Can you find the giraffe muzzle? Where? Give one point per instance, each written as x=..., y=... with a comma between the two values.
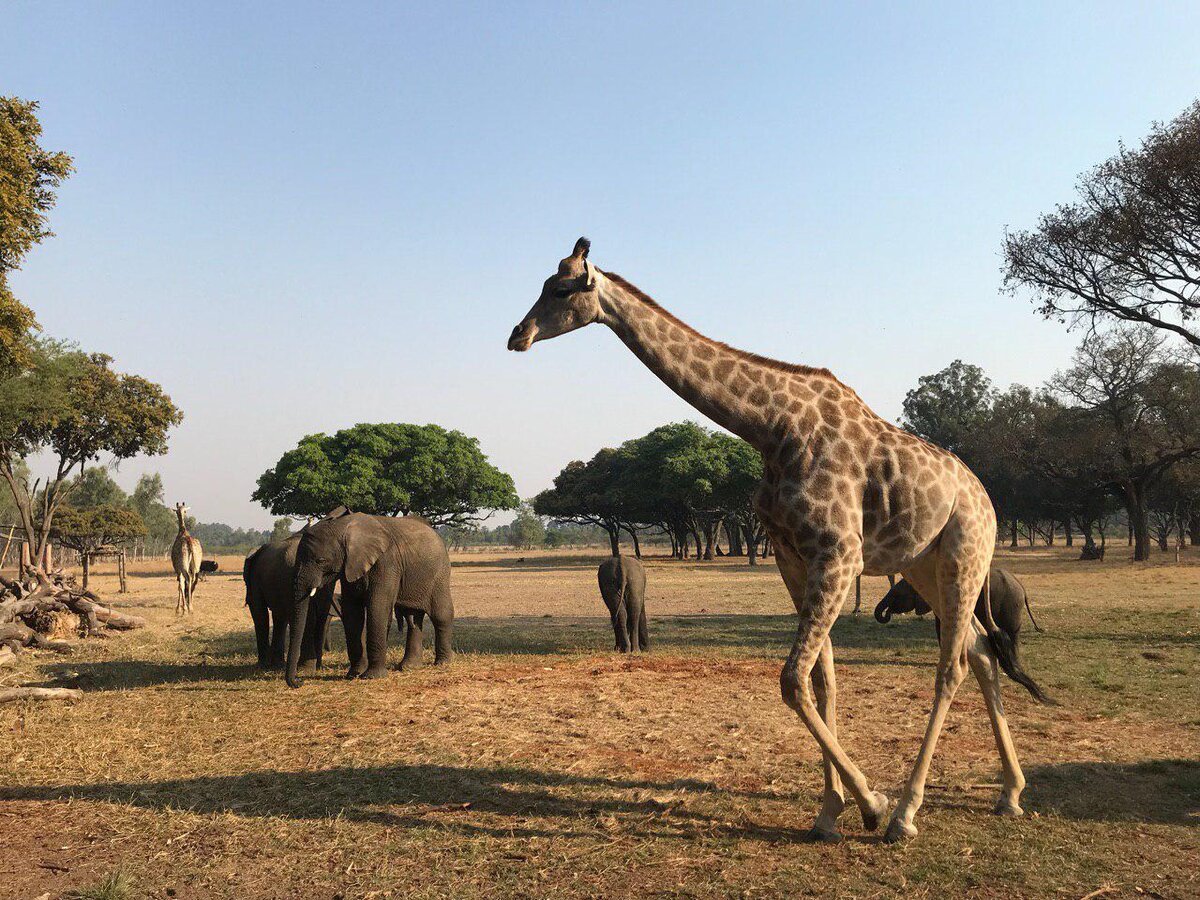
x=522, y=336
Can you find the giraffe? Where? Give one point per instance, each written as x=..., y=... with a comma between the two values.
x=844, y=493
x=186, y=555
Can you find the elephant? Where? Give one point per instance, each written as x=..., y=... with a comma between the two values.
x=269, y=573
x=385, y=564
x=1007, y=597
x=623, y=586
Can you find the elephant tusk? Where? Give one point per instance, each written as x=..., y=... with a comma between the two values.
x=313, y=592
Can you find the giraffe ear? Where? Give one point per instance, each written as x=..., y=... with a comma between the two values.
x=582, y=246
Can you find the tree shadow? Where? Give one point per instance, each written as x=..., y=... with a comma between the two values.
x=454, y=798
x=1161, y=791
x=231, y=656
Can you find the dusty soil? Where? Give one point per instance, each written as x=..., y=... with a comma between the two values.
x=543, y=764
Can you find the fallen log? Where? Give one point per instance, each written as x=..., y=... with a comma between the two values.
x=7, y=657
x=34, y=693
x=106, y=615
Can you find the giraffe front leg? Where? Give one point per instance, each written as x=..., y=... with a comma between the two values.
x=819, y=597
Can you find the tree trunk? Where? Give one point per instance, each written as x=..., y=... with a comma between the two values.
x=1194, y=529
x=637, y=545
x=751, y=545
x=1013, y=532
x=734, y=534
x=1139, y=528
x=614, y=539
x=1069, y=535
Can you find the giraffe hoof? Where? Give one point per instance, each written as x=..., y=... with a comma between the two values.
x=898, y=831
x=817, y=835
x=875, y=813
x=1006, y=807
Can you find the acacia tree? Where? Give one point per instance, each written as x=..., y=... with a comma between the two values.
x=101, y=526
x=1142, y=407
x=1129, y=247
x=388, y=469
x=73, y=407
x=29, y=176
x=586, y=494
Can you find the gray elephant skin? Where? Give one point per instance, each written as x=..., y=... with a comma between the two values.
x=385, y=564
x=269, y=573
x=1009, y=602
x=623, y=587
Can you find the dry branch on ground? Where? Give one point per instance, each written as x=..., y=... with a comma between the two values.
x=41, y=610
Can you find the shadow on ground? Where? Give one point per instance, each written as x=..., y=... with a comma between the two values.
x=1162, y=791
x=230, y=657
x=461, y=799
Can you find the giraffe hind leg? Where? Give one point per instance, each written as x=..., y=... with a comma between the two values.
x=987, y=673
x=959, y=577
x=834, y=801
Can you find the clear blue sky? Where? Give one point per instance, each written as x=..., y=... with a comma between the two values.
x=298, y=216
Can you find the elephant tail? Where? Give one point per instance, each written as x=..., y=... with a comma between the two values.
x=1005, y=649
x=1036, y=627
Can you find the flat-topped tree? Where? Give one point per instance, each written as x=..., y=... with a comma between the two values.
x=843, y=492
x=391, y=469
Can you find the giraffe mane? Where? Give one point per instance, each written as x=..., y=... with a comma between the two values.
x=765, y=361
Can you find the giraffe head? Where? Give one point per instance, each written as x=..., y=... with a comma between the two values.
x=569, y=300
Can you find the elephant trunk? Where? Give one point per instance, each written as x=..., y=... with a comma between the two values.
x=296, y=638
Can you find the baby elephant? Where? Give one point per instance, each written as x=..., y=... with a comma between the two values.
x=1008, y=596
x=623, y=586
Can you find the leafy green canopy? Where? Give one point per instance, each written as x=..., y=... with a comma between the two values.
x=101, y=526
x=28, y=178
x=74, y=408
x=388, y=469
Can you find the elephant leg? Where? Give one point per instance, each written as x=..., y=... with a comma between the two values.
x=279, y=639
x=620, y=626
x=643, y=629
x=354, y=619
x=379, y=622
x=262, y=634
x=442, y=614
x=633, y=606
x=414, y=642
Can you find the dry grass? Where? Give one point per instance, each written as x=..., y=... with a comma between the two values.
x=541, y=764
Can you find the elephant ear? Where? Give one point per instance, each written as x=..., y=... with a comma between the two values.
x=366, y=542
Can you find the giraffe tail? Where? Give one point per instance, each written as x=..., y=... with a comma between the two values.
x=1005, y=648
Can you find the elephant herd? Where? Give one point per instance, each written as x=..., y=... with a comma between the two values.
x=386, y=566
x=400, y=567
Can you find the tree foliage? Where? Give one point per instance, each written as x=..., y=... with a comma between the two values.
x=682, y=480
x=388, y=469
x=948, y=407
x=75, y=408
x=29, y=176
x=1129, y=247
x=99, y=526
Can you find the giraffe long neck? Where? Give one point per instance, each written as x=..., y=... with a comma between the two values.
x=182, y=525
x=729, y=386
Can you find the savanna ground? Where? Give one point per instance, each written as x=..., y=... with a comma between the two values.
x=543, y=764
